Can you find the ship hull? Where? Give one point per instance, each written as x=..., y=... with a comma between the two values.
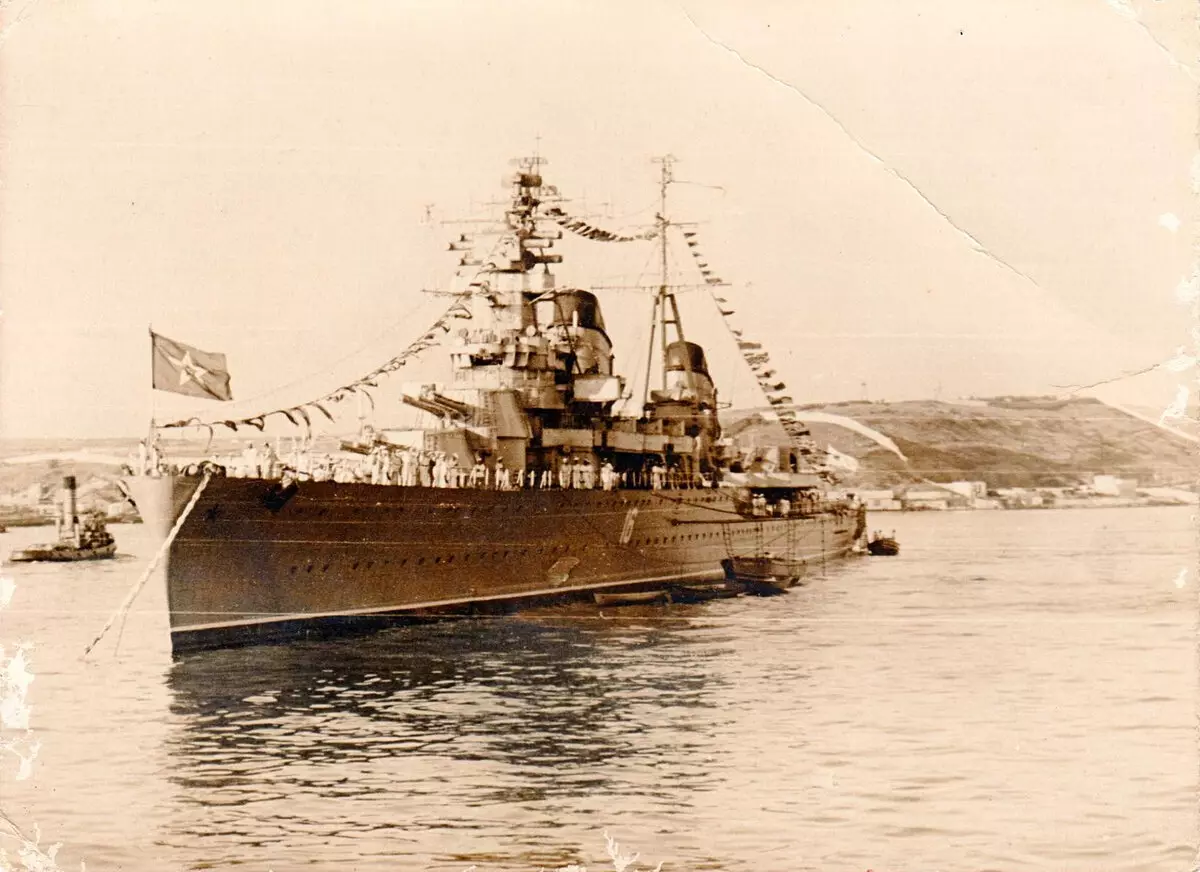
x=256, y=562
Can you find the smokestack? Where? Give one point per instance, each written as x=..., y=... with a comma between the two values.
x=68, y=503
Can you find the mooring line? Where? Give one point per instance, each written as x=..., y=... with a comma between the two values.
x=162, y=549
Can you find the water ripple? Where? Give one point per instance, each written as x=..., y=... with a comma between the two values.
x=1006, y=695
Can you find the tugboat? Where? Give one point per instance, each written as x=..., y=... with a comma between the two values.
x=88, y=539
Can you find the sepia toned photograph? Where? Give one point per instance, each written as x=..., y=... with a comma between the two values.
x=515, y=437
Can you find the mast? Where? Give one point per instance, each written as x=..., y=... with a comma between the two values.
x=664, y=298
x=665, y=162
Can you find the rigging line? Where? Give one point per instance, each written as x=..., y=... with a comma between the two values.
x=699, y=185
x=730, y=329
x=651, y=205
x=675, y=262
x=314, y=374
x=622, y=221
x=637, y=372
x=260, y=398
x=158, y=556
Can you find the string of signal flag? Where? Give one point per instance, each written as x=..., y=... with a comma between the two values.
x=752, y=351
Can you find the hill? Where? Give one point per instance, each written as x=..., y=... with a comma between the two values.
x=1006, y=442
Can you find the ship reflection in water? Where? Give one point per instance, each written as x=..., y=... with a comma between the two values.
x=1013, y=691
x=382, y=734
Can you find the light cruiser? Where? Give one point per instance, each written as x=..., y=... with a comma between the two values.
x=564, y=497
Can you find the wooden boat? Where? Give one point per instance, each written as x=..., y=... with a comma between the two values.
x=701, y=593
x=883, y=546
x=764, y=575
x=632, y=598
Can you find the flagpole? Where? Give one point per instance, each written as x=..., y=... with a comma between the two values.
x=153, y=398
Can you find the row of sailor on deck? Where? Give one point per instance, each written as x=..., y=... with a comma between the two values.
x=411, y=467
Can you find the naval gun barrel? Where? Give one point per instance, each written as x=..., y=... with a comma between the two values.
x=436, y=404
x=456, y=406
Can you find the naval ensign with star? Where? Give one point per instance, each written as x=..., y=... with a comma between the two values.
x=183, y=369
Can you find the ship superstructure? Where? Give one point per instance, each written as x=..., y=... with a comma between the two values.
x=533, y=391
x=528, y=486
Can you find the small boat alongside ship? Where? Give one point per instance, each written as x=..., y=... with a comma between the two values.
x=633, y=598
x=764, y=575
x=883, y=546
x=702, y=593
x=677, y=594
x=78, y=539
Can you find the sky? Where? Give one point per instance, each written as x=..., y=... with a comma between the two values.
x=936, y=198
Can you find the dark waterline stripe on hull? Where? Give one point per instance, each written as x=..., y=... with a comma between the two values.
x=280, y=628
x=458, y=601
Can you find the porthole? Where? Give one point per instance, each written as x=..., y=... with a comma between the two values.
x=420, y=561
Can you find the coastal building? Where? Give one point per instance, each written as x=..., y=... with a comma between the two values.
x=972, y=490
x=1170, y=495
x=1112, y=486
x=1020, y=498
x=879, y=500
x=926, y=500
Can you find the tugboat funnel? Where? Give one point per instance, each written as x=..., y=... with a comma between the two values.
x=69, y=512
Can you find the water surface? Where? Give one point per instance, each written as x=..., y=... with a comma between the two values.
x=1016, y=691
